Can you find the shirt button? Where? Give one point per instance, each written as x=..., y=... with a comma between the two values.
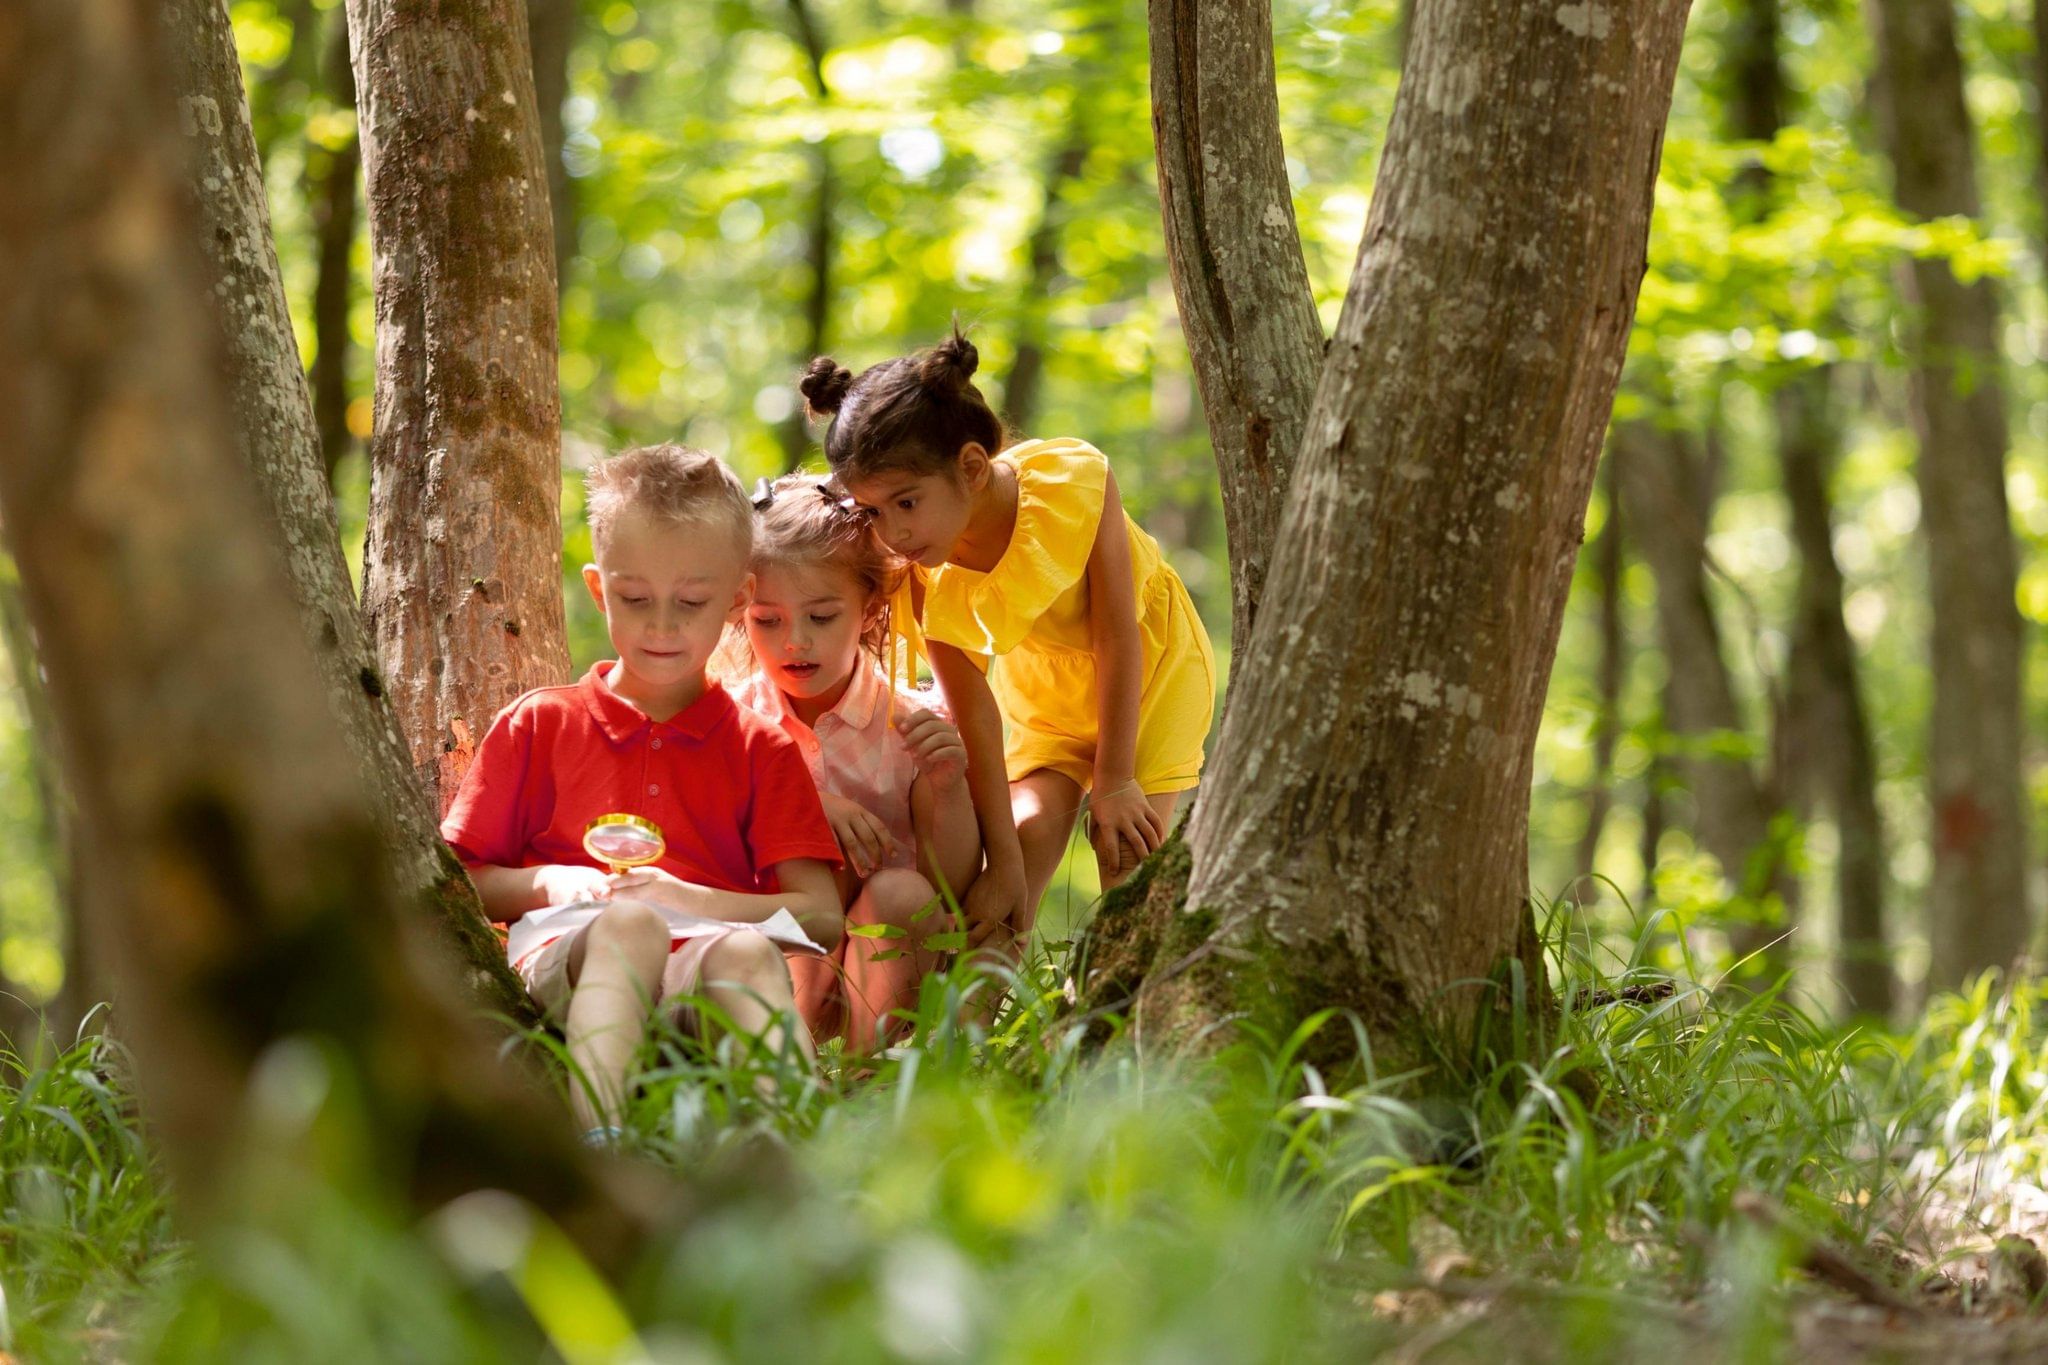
x=657, y=743
x=653, y=789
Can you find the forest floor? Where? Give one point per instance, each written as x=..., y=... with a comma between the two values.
x=1673, y=1175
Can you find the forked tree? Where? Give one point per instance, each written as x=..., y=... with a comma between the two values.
x=240, y=880
x=462, y=580
x=1362, y=839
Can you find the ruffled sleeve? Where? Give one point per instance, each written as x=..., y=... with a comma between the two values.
x=1060, y=487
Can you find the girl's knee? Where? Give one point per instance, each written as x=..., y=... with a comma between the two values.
x=895, y=896
x=745, y=959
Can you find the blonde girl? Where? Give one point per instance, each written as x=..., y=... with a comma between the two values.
x=1025, y=561
x=891, y=771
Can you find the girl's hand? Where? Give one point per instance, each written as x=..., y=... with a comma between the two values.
x=935, y=747
x=997, y=917
x=1122, y=822
x=661, y=889
x=863, y=838
x=564, y=883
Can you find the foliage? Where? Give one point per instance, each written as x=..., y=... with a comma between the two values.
x=990, y=1193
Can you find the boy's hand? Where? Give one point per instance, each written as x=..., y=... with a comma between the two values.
x=563, y=883
x=863, y=838
x=1123, y=827
x=662, y=889
x=935, y=747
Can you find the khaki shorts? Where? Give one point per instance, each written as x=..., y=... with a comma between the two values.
x=545, y=971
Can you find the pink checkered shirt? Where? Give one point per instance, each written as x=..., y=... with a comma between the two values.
x=854, y=753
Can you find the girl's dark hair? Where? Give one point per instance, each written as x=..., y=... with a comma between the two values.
x=913, y=413
x=801, y=521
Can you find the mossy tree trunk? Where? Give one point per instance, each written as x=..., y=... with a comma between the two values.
x=1363, y=841
x=462, y=579
x=240, y=877
x=1977, y=904
x=277, y=437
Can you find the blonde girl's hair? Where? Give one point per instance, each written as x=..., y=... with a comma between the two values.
x=804, y=522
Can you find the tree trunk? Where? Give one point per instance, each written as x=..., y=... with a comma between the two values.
x=1609, y=562
x=334, y=173
x=1978, y=912
x=462, y=578
x=274, y=430
x=1022, y=392
x=2041, y=121
x=819, y=237
x=239, y=874
x=1827, y=718
x=1834, y=714
x=1364, y=840
x=552, y=27
x=1238, y=274
x=1732, y=809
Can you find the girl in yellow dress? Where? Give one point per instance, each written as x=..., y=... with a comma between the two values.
x=1027, y=565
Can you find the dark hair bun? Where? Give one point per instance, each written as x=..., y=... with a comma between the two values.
x=824, y=386
x=949, y=365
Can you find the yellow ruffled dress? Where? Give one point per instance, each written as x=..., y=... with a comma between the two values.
x=1029, y=616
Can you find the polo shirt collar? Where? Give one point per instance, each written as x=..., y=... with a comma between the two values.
x=622, y=721
x=857, y=706
x=854, y=709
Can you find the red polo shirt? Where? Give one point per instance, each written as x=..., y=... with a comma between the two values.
x=729, y=790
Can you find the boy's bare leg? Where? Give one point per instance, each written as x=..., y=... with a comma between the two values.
x=1165, y=803
x=875, y=990
x=746, y=977
x=615, y=974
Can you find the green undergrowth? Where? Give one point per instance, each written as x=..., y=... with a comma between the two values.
x=998, y=1192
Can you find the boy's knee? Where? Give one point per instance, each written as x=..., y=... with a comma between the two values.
x=897, y=895
x=634, y=928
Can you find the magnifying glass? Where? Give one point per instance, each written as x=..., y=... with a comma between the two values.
x=621, y=841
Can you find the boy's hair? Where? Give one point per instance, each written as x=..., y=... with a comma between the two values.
x=914, y=413
x=674, y=483
x=805, y=522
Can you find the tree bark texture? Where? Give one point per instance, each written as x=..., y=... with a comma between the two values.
x=551, y=25
x=1733, y=808
x=462, y=574
x=336, y=173
x=1842, y=750
x=1363, y=841
x=1977, y=907
x=274, y=432
x=239, y=874
x=1239, y=277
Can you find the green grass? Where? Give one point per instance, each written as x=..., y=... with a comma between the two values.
x=997, y=1194
x=84, y=1233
